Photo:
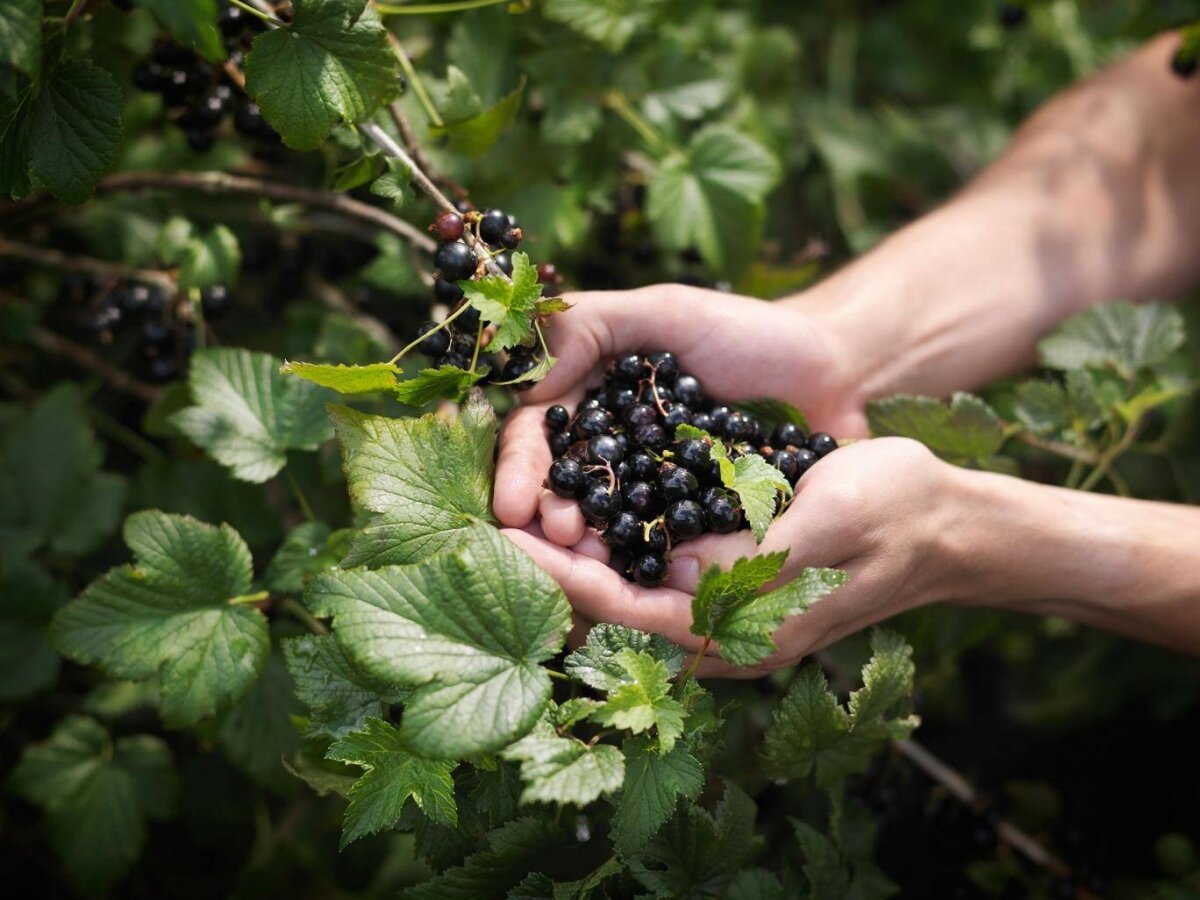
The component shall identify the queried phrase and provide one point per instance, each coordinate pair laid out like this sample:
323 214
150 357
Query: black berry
455 260
448 226
722 513
805 460
788 433
688 391
684 519
560 443
693 454
639 414
434 344
599 504
624 531
604 448
557 418
592 422
649 570
493 225
445 291
643 466
665 366
676 483
639 498
452 358
627 368
821 443
651 437
504 263
566 477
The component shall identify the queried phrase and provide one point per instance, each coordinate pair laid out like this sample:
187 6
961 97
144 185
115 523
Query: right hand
740 348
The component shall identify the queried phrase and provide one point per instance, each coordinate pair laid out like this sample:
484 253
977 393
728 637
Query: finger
602 595
561 519
591 546
711 667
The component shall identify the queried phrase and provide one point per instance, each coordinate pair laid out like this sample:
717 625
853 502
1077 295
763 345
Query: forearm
1127 566
1097 198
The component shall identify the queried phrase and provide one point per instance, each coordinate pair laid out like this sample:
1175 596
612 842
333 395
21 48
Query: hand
885 511
738 347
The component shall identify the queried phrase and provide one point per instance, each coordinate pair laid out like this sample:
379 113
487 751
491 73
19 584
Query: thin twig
1110 456
72 262
85 359
409 135
1059 448
226 183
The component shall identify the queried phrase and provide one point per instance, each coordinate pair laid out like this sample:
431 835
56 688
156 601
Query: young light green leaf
346 379
393 776
208 258
169 614
29 597
393 184
758 484
340 695
193 23
743 624
655 783
882 706
442 383
331 64
507 303
773 412
477 135
965 431
21 36
565 770
466 630
1128 337
569 712
247 415
98 795
459 100
429 478
719 592
643 700
595 663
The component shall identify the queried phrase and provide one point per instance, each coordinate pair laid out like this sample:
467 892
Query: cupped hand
738 347
883 510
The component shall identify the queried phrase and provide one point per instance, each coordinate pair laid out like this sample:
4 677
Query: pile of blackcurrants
199 95
452 342
644 489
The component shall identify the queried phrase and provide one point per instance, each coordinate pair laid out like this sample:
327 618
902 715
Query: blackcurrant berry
452 358
1011 15
651 437
693 454
560 443
689 392
149 76
231 21
548 274
722 513
788 433
643 466
627 368
468 320
598 398
464 344
621 471
592 422
625 442
638 497
707 494
655 540
434 344
565 477
639 414
665 366
676 483
515 368
684 519
719 415
623 531
677 414
511 238
703 421
504 263
599 504
215 300
821 443
248 120
737 427
557 418
199 139
785 461
621 398
445 291
649 570
212 107
163 368
805 460
591 403
604 448
493 225
448 226
455 260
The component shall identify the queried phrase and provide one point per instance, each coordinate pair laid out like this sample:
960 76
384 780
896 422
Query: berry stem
619 103
417 9
478 341
418 85
442 324
259 13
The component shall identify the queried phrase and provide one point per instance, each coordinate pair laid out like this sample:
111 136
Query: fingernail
684 574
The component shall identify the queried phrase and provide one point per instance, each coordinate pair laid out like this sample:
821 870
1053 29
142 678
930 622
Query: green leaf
256 734
608 22
882 706
98 795
340 695
595 663
21 36
754 884
655 783
477 135
310 548
460 101
826 871
332 64
1127 337
773 412
393 184
55 494
443 383
710 196
507 303
346 379
565 770
358 172
247 415
169 615
758 484
964 431
193 23
29 597
393 776
720 592
743 623
466 630
208 258
537 373
430 479
643 700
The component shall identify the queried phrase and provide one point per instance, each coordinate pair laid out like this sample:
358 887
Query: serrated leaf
507 303
466 630
595 663
168 614
331 64
208 258
719 592
193 23
643 700
550 306
773 412
29 597
476 135
754 884
393 776
442 383
758 484
340 696
655 783
393 184
567 713
964 431
357 172
460 100
537 373
21 36
826 871
429 478
310 548
608 22
247 415
98 795
346 379
882 705
1130 338
565 770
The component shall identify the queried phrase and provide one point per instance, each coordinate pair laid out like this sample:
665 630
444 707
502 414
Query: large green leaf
1129 337
339 695
192 22
331 64
247 415
257 733
171 614
98 795
443 383
430 480
346 379
21 36
476 135
565 770
965 431
466 630
29 597
655 783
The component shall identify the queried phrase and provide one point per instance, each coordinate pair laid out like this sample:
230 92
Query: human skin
1097 198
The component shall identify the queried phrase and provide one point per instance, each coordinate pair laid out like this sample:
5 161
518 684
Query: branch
71 262
225 183
57 345
409 135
